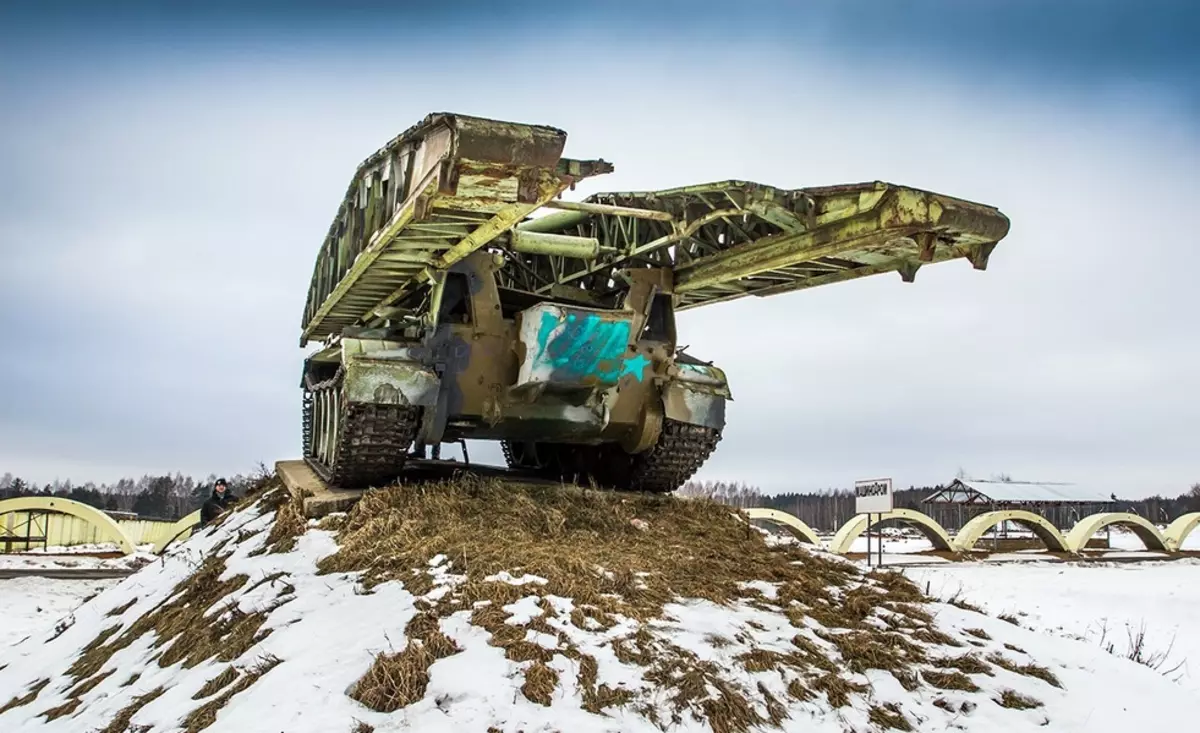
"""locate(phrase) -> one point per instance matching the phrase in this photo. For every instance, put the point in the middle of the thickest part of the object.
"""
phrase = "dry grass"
(949, 681)
(1009, 618)
(540, 683)
(122, 609)
(889, 715)
(1017, 701)
(978, 633)
(1029, 670)
(1014, 648)
(88, 685)
(120, 724)
(836, 688)
(968, 663)
(597, 698)
(361, 727)
(27, 698)
(216, 684)
(206, 714)
(288, 526)
(66, 708)
(396, 680)
(132, 678)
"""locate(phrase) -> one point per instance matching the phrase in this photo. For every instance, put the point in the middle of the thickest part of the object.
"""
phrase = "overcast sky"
(166, 181)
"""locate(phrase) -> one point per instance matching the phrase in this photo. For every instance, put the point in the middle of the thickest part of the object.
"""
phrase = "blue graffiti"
(587, 347)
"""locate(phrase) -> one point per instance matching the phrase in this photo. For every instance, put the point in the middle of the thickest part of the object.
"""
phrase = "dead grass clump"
(1009, 618)
(122, 609)
(361, 727)
(798, 692)
(907, 679)
(944, 704)
(968, 663)
(65, 709)
(1017, 701)
(288, 526)
(760, 660)
(396, 680)
(1014, 648)
(898, 586)
(540, 682)
(206, 714)
(889, 715)
(931, 635)
(132, 678)
(977, 633)
(27, 698)
(120, 724)
(960, 602)
(1029, 670)
(597, 698)
(949, 681)
(93, 656)
(836, 688)
(812, 654)
(216, 684)
(863, 650)
(90, 684)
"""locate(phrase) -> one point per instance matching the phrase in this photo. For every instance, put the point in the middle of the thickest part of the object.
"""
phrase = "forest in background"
(826, 511)
(169, 497)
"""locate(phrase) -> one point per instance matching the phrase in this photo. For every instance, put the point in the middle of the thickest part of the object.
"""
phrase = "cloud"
(159, 229)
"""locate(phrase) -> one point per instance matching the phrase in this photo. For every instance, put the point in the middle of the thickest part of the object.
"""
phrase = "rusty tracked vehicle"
(448, 310)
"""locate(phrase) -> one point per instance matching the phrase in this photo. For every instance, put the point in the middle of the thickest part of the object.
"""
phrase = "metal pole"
(880, 541)
(868, 539)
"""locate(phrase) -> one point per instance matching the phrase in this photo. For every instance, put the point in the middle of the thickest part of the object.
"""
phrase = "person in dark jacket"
(216, 505)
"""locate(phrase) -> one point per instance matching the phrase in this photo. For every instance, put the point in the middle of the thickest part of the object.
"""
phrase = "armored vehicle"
(458, 296)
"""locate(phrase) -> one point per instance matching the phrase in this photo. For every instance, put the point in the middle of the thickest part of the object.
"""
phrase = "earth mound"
(474, 604)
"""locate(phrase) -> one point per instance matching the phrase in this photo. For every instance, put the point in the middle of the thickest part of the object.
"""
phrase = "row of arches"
(126, 535)
(1170, 539)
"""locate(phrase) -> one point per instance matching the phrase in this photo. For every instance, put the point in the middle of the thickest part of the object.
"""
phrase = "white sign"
(873, 496)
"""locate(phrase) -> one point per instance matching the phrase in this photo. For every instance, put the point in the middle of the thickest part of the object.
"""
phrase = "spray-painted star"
(635, 365)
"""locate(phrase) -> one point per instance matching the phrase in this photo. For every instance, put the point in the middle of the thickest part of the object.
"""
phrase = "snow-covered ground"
(1089, 601)
(31, 560)
(32, 606)
(325, 632)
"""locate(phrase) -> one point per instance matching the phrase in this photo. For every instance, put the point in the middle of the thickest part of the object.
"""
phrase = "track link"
(678, 453)
(371, 444)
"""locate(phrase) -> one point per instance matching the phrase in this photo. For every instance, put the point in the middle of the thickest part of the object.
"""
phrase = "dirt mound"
(478, 605)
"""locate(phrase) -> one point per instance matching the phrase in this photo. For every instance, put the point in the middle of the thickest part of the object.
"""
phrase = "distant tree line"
(829, 509)
(167, 497)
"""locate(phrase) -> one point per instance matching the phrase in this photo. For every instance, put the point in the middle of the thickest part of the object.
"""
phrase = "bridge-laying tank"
(458, 296)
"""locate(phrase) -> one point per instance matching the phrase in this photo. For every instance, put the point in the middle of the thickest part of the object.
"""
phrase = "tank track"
(679, 452)
(372, 442)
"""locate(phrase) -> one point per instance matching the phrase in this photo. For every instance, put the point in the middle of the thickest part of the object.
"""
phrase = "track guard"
(696, 395)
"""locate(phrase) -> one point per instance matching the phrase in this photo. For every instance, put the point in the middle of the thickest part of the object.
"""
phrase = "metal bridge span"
(55, 522)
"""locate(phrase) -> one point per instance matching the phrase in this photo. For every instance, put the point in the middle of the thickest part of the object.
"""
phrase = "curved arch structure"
(790, 522)
(177, 530)
(105, 524)
(858, 524)
(1084, 529)
(1178, 531)
(1040, 526)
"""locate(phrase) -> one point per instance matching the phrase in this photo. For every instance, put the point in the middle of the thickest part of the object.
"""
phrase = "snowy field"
(1091, 602)
(31, 606)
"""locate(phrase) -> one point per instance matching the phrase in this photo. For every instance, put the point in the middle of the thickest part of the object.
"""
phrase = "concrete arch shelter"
(1084, 529)
(793, 524)
(858, 524)
(1040, 526)
(104, 524)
